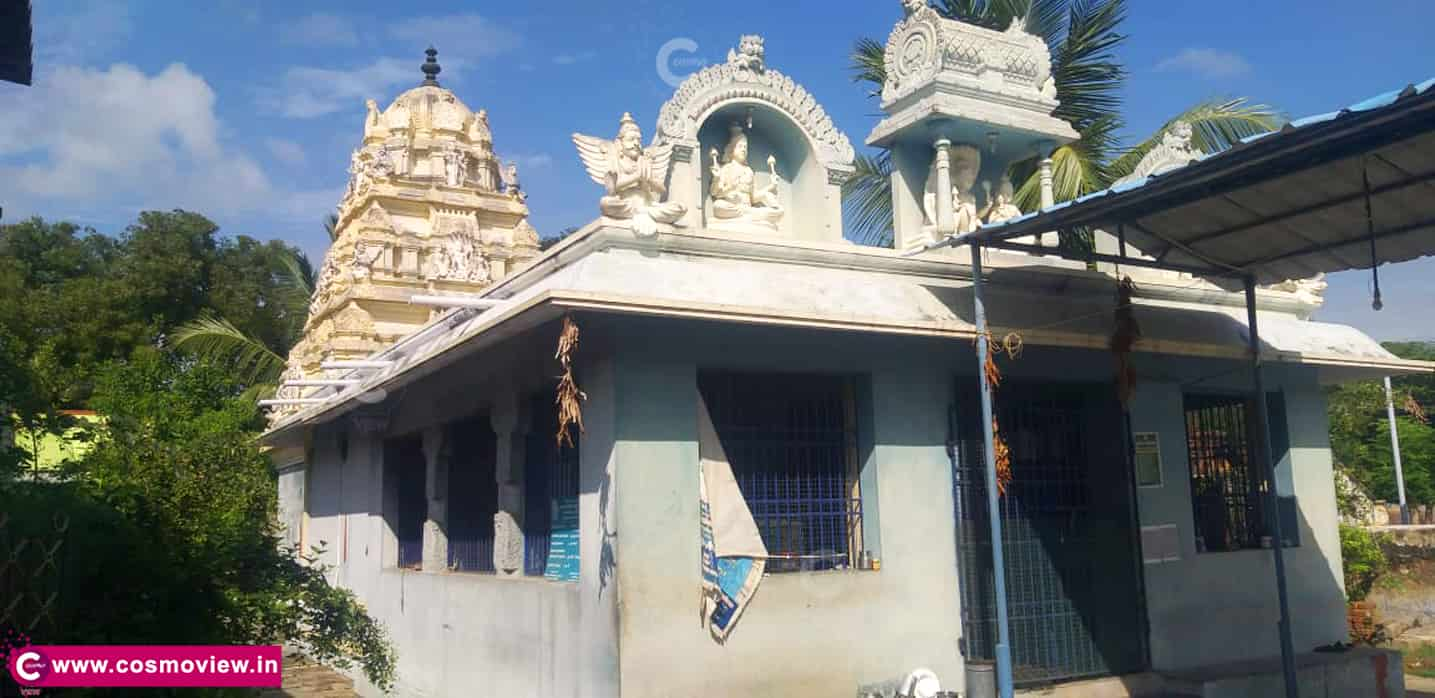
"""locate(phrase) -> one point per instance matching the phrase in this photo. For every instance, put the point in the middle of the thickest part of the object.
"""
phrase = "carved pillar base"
(508, 422)
(436, 462)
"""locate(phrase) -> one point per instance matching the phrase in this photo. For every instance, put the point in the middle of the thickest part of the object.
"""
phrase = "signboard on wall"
(562, 563)
(1147, 450)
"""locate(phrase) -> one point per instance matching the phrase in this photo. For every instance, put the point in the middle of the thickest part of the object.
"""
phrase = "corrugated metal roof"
(1282, 205)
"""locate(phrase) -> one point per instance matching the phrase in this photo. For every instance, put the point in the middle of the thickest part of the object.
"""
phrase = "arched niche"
(813, 157)
(802, 186)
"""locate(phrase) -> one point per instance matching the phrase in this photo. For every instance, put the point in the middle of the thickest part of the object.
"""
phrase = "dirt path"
(304, 679)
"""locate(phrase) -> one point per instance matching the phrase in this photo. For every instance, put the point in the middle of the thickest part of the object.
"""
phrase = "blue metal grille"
(411, 553)
(473, 495)
(471, 555)
(791, 440)
(1072, 596)
(550, 473)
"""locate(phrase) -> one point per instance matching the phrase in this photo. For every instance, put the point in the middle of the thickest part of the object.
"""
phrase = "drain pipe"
(1003, 647)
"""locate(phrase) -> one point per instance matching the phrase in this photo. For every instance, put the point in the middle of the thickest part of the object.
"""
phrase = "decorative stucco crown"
(746, 77)
(1013, 63)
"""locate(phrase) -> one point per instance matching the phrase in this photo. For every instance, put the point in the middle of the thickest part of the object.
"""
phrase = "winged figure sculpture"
(633, 177)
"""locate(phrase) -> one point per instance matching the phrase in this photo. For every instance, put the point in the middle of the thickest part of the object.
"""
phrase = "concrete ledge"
(1363, 672)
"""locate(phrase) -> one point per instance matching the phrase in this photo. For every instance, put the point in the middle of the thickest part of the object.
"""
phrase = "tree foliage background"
(172, 536)
(1360, 432)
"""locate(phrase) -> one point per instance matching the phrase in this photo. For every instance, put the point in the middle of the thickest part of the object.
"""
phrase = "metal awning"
(1350, 189)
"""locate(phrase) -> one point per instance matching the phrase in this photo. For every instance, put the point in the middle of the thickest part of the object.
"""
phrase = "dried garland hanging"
(569, 398)
(1012, 346)
(1413, 407)
(1123, 339)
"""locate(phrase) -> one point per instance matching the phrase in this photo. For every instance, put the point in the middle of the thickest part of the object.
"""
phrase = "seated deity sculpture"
(738, 203)
(1001, 208)
(966, 163)
(632, 176)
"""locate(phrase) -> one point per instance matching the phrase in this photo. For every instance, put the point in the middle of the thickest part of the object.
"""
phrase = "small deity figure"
(738, 202)
(373, 125)
(1175, 150)
(358, 175)
(632, 176)
(383, 164)
(452, 167)
(966, 163)
(749, 54)
(511, 185)
(1001, 208)
(912, 7)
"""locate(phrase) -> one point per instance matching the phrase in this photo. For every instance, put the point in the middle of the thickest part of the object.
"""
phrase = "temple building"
(707, 399)
(429, 209)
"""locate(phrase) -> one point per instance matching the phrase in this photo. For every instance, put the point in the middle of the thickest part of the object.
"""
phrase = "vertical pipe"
(1395, 449)
(1003, 648)
(1272, 504)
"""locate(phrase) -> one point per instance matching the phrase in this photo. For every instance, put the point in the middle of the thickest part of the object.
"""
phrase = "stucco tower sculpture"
(963, 102)
(429, 209)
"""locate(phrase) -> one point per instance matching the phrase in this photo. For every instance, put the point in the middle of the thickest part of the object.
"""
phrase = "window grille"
(472, 494)
(791, 440)
(549, 474)
(1226, 487)
(404, 469)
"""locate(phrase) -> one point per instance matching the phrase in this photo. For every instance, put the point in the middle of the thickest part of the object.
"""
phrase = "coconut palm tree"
(1083, 36)
(255, 363)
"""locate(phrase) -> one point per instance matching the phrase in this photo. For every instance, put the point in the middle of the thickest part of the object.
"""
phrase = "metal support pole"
(1272, 504)
(1003, 648)
(1395, 449)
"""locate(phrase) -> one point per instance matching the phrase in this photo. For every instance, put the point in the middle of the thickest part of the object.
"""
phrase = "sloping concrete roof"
(850, 288)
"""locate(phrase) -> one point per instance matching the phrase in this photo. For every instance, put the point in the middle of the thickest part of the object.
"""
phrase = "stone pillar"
(376, 536)
(946, 217)
(509, 428)
(436, 464)
(1048, 199)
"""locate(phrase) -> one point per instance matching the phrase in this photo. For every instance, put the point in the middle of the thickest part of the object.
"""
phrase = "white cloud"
(306, 92)
(530, 161)
(1208, 63)
(110, 142)
(320, 29)
(287, 152)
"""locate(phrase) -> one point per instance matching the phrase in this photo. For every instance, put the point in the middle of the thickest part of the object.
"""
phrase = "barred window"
(550, 481)
(792, 443)
(404, 474)
(1227, 486)
(472, 494)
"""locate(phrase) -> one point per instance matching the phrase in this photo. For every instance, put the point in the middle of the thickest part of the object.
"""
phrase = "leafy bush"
(1364, 560)
(172, 536)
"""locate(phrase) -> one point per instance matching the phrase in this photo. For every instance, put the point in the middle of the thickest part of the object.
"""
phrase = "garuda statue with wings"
(633, 176)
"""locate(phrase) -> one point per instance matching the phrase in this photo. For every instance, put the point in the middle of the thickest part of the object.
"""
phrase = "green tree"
(1083, 36)
(1360, 430)
(184, 493)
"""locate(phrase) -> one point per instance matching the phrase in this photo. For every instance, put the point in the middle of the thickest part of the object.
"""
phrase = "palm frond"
(1216, 125)
(213, 338)
(331, 224)
(868, 64)
(1087, 73)
(867, 200)
(983, 13)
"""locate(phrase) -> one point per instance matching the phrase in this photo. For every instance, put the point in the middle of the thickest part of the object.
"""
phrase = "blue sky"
(247, 110)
